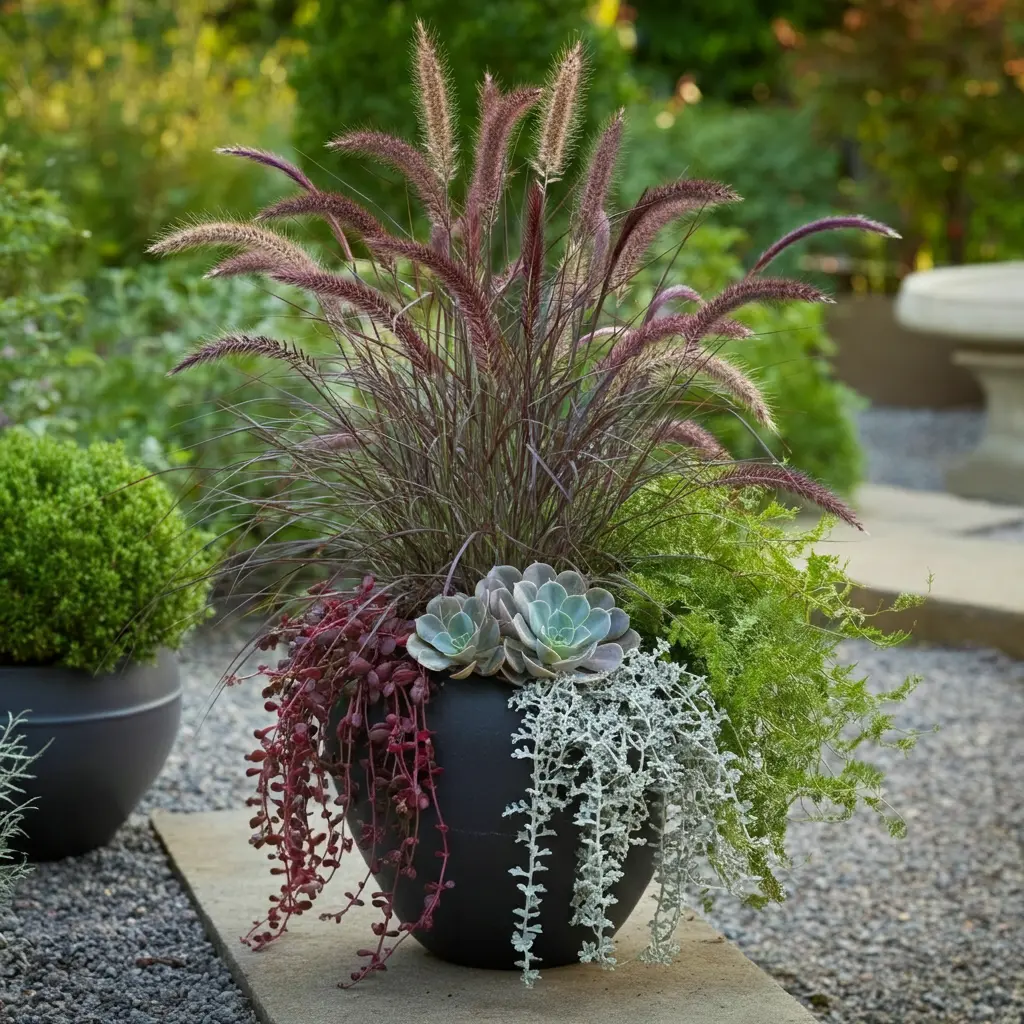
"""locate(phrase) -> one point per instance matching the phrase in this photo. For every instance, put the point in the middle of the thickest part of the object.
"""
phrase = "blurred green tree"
(933, 93)
(731, 48)
(118, 106)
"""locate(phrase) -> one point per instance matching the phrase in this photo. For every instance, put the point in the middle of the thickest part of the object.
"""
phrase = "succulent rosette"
(459, 636)
(555, 623)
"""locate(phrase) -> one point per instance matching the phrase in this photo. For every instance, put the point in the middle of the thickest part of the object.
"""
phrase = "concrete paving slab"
(295, 980)
(977, 590)
(943, 513)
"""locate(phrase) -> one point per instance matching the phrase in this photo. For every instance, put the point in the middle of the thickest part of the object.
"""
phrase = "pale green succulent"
(555, 623)
(457, 633)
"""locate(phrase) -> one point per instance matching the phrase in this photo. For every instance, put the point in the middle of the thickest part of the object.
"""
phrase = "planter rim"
(55, 695)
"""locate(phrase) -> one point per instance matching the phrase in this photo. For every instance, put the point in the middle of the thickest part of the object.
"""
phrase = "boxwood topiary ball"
(96, 561)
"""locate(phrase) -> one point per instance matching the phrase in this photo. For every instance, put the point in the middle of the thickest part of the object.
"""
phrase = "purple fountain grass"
(326, 204)
(813, 228)
(671, 294)
(406, 159)
(752, 474)
(483, 405)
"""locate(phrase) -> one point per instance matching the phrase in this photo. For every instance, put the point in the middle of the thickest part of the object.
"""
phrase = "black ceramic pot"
(109, 736)
(474, 922)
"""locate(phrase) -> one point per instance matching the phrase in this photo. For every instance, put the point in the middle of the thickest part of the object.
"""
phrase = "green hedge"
(95, 559)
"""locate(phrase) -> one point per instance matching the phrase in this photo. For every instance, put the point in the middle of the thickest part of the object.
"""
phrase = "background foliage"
(772, 156)
(88, 544)
(932, 94)
(730, 47)
(40, 306)
(118, 106)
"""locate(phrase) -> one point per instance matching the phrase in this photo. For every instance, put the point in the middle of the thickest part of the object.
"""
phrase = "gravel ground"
(877, 931)
(914, 447)
(930, 928)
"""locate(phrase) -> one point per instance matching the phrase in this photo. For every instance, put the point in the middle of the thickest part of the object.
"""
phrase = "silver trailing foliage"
(14, 764)
(635, 746)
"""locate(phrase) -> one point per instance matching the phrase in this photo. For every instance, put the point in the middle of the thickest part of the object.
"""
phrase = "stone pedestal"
(995, 469)
(982, 307)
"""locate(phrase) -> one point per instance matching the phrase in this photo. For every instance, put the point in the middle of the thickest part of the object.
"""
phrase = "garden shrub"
(933, 95)
(368, 42)
(40, 306)
(739, 608)
(95, 560)
(788, 355)
(118, 107)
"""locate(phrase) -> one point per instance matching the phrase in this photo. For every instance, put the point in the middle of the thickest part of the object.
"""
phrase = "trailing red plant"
(350, 727)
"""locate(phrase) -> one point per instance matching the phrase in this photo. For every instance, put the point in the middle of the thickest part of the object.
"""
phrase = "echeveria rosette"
(457, 632)
(559, 625)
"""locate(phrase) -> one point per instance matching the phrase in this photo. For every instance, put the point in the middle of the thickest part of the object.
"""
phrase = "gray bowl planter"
(109, 736)
(474, 922)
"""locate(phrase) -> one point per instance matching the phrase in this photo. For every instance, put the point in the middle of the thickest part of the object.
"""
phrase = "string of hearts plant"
(479, 409)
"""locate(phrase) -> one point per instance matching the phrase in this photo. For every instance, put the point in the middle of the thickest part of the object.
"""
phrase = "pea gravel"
(915, 447)
(926, 930)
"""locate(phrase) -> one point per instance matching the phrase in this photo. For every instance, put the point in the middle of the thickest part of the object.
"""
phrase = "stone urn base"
(982, 307)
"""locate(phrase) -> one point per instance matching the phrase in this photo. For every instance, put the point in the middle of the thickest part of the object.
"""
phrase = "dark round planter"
(474, 921)
(109, 736)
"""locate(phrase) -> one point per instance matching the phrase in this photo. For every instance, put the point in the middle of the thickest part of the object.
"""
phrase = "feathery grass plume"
(761, 289)
(654, 210)
(600, 171)
(500, 113)
(671, 294)
(813, 228)
(404, 158)
(326, 204)
(258, 261)
(437, 114)
(247, 345)
(234, 233)
(262, 156)
(694, 361)
(783, 478)
(693, 435)
(370, 303)
(560, 116)
(639, 340)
